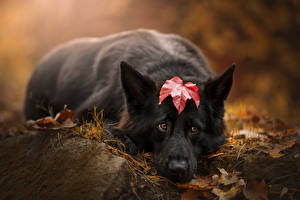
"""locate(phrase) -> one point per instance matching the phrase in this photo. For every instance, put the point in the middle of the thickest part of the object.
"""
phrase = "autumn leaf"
(274, 149)
(46, 122)
(63, 115)
(179, 92)
(215, 155)
(63, 119)
(284, 191)
(228, 178)
(255, 190)
(290, 131)
(190, 195)
(200, 183)
(226, 195)
(196, 195)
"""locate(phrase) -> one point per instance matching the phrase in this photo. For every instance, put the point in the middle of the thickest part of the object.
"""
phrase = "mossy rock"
(48, 166)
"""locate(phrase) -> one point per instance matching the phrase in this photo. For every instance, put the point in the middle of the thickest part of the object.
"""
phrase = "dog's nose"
(178, 166)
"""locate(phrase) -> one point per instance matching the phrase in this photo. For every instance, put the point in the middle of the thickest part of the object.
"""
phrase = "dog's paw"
(122, 142)
(130, 147)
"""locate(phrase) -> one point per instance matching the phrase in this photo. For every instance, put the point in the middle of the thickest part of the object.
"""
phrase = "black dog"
(89, 72)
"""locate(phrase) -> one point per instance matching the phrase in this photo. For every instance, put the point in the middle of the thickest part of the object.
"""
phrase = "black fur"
(89, 72)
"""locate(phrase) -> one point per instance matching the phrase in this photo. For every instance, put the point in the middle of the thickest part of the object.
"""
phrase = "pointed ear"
(218, 89)
(137, 87)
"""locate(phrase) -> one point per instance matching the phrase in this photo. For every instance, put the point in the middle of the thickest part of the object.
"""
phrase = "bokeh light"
(260, 36)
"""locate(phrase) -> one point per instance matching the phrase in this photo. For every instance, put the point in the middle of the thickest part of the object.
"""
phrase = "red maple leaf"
(179, 92)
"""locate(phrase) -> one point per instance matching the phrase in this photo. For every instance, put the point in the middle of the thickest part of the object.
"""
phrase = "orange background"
(260, 36)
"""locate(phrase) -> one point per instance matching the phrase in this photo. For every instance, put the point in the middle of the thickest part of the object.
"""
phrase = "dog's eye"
(162, 126)
(194, 130)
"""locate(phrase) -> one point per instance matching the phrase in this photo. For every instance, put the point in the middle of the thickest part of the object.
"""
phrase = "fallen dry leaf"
(63, 115)
(200, 183)
(68, 123)
(46, 122)
(209, 182)
(215, 179)
(215, 155)
(63, 119)
(190, 195)
(283, 192)
(205, 184)
(274, 149)
(231, 140)
(255, 190)
(226, 195)
(228, 178)
(290, 131)
(242, 183)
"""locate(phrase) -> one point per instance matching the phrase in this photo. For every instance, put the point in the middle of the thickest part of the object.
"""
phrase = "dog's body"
(85, 73)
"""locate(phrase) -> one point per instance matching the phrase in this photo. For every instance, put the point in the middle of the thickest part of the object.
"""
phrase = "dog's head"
(176, 140)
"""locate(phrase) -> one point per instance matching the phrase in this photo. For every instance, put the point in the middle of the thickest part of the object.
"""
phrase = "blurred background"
(261, 36)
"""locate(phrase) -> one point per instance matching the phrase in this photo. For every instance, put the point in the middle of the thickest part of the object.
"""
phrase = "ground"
(261, 159)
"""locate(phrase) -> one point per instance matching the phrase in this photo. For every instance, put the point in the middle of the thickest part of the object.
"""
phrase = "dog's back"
(85, 72)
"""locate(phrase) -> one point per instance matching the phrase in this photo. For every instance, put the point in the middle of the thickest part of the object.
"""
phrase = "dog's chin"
(175, 177)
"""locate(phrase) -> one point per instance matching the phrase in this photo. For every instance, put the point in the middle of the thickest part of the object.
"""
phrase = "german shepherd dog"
(124, 74)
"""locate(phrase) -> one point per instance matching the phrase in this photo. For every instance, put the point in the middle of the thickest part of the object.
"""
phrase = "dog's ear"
(136, 86)
(218, 89)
